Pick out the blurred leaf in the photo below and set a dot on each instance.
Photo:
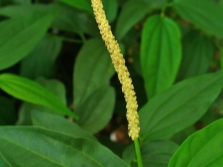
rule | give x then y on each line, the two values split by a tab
97	109
111	9
93	68
59	124
180	106
132	12
7	112
32	92
154	154
79	4
160	53
198	51
2	162
204	14
221	58
55	87
204	148
19	36
48	148
40	62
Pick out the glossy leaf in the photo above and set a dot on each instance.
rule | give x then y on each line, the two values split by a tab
160	54
79	4
40	62
93	68
7	112
32	92
52	85
198	51
137	10
31	146
204	148
97	109
154	154
204	14
20	35
180	106
59	124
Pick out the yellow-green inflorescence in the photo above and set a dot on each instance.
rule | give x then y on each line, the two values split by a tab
120	67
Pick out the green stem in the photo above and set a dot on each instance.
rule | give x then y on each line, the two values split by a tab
82	37
138	153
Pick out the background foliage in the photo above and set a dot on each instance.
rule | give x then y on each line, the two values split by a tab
61	102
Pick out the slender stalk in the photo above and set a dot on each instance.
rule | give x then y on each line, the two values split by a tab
138	152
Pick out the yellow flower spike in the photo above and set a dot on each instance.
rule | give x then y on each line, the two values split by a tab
120	67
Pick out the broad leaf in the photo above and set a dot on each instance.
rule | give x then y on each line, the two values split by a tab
55	87
3	163
180	106
79	4
137	10
204	14
40	62
203	148
7	112
111	9
198	51
32	92
93	68
20	35
31	146
97	109
59	124
160	53
154	154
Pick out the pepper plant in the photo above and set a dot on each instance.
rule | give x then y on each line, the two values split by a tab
61	103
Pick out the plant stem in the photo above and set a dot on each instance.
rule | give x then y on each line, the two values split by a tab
138	153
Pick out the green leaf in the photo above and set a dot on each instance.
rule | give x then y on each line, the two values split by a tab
221	58
31	146
160	53
93	68
79	4
2	162
111	9
203	148
59	124
55	87
19	36
154	154
204	14
7	112
32	92
40	62
180	106
137	10
97	109
198	51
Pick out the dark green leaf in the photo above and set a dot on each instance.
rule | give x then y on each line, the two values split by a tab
204	14
79	4
19	36
154	154
7	112
93	68
32	92
137	10
180	106
203	148
97	109
197	54
111	8
2	162
40	62
160	53
31	146
59	124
